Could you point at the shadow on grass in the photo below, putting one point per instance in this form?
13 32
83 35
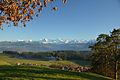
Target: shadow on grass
30 72
85 63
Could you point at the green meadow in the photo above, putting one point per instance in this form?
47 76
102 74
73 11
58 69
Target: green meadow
10 71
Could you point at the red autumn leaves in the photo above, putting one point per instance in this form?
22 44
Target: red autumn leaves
21 11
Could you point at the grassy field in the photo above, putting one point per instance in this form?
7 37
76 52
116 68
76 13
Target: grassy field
6 60
9 71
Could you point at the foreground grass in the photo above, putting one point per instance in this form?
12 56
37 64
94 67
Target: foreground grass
43 73
9 71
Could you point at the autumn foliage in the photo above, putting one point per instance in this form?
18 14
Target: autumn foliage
21 11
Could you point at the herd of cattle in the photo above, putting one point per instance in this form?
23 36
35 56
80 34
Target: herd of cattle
67 68
76 69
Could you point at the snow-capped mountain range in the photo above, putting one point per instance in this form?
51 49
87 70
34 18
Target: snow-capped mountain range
53 41
45 45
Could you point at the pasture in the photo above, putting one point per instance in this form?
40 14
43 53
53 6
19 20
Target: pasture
10 71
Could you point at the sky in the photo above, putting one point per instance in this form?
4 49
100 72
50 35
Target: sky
78 19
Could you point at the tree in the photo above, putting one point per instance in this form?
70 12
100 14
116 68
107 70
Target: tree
22 11
99 54
106 51
115 42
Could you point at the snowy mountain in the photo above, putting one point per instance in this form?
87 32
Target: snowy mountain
61 41
45 45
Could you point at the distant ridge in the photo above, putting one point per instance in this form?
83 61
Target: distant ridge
45 45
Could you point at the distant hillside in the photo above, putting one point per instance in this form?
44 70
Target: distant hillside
44 45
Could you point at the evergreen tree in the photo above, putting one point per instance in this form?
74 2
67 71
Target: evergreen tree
106 52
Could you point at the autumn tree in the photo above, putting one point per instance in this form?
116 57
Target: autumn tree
21 11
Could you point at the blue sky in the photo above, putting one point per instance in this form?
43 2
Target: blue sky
78 19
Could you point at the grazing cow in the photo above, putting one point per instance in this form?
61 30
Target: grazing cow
23 64
29 64
79 69
34 64
18 63
65 68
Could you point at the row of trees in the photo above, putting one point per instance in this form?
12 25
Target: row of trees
71 55
106 54
62 55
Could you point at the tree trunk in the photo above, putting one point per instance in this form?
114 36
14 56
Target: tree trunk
116 70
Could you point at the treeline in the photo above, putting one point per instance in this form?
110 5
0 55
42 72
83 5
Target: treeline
58 55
